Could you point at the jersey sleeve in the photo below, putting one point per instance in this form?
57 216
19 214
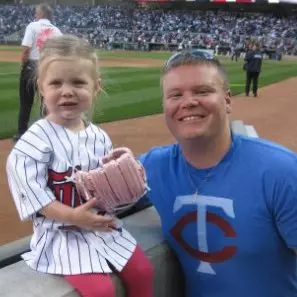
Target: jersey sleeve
28 37
285 206
27 174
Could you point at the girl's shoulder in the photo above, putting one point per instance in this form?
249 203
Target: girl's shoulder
35 143
100 134
98 130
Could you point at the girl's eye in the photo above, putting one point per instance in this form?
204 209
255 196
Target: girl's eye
55 82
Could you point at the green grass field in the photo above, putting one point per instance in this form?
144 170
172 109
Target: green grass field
130 92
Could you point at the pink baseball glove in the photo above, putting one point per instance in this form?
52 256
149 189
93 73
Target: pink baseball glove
118 184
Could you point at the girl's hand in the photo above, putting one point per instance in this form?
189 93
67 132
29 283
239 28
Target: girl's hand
83 217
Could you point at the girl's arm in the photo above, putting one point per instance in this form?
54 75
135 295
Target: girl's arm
81 216
27 181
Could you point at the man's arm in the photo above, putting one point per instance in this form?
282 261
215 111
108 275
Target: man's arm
248 56
25 54
143 203
284 207
27 43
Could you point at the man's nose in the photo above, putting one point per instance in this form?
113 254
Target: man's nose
190 100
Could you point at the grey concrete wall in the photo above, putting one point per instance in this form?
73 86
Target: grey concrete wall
18 280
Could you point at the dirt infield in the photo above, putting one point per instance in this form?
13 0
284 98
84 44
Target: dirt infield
10 56
273 115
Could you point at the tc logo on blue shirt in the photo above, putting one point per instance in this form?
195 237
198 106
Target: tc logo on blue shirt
202 217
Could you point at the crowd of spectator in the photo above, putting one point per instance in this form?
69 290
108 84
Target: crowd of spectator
106 26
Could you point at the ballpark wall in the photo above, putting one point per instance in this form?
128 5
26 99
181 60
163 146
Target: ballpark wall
76 2
61 2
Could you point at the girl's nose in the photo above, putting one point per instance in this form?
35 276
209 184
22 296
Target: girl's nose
67 90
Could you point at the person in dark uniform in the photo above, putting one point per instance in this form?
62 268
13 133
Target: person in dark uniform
36 34
253 67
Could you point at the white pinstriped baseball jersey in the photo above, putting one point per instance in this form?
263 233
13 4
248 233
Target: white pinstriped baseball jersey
36 170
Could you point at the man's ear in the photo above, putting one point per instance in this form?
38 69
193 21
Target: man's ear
228 101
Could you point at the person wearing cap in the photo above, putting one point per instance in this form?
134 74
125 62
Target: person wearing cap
227 203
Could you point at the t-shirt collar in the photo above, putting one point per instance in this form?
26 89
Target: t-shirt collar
44 21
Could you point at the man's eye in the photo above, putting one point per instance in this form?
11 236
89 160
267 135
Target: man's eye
175 96
79 82
202 92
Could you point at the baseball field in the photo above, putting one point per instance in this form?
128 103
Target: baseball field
131 84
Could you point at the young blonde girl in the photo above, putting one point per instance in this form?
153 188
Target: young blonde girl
70 238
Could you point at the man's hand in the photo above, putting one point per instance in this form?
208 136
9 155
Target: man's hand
25 54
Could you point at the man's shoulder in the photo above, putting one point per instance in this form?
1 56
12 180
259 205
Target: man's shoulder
268 151
34 23
258 55
159 154
41 23
31 25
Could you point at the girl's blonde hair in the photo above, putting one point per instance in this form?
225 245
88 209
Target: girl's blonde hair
66 46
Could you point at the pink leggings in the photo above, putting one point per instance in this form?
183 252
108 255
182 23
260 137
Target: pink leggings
137 278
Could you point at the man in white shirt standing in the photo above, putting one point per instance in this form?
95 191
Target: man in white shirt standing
36 34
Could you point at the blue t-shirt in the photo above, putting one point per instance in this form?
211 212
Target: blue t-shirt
237 238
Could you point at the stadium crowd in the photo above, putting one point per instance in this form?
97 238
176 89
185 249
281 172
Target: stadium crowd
105 26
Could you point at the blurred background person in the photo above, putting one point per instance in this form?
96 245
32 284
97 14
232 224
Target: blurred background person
253 67
36 34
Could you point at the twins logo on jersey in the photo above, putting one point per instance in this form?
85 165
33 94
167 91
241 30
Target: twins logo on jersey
202 217
64 190
43 36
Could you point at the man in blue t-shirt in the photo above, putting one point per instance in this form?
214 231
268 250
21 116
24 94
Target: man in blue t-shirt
228 203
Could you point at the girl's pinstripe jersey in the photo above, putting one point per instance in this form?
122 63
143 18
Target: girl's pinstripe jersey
37 170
